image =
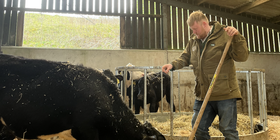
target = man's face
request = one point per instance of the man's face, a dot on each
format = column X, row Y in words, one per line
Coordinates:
column 198, row 29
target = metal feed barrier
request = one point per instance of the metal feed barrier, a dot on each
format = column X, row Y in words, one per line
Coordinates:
column 261, row 93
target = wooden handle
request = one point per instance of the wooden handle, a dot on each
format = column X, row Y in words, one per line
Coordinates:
column 209, row 91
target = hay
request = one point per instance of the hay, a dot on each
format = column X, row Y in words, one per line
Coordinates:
column 182, row 126
column 274, row 129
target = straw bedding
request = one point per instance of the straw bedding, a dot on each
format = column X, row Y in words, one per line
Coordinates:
column 182, row 126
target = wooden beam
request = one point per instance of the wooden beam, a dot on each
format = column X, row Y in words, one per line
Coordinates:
column 198, row 2
column 81, row 12
column 249, row 6
column 221, row 14
column 20, row 25
column 275, row 19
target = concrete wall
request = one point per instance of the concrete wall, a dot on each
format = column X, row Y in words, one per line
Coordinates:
column 110, row 59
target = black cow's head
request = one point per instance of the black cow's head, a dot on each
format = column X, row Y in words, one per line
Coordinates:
column 151, row 133
column 150, row 87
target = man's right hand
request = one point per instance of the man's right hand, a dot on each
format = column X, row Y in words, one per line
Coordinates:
column 165, row 68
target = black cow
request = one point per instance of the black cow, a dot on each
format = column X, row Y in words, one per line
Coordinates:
column 39, row 97
column 153, row 91
column 136, row 74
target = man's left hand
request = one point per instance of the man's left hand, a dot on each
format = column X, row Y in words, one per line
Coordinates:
column 231, row 31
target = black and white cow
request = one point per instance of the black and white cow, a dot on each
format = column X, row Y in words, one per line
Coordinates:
column 153, row 91
column 39, row 97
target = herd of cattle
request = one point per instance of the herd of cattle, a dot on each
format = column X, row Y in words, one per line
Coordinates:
column 39, row 97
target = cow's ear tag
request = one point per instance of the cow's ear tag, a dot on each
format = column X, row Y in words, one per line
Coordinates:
column 134, row 83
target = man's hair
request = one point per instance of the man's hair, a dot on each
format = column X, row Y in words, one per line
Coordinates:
column 196, row 16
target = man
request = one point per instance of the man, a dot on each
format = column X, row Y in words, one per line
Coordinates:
column 204, row 51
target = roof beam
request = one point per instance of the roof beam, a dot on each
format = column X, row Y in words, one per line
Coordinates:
column 220, row 14
column 249, row 6
column 198, row 2
column 275, row 19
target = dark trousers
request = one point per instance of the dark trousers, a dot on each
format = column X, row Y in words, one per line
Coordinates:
column 227, row 112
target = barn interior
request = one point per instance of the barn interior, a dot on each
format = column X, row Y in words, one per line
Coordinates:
column 149, row 37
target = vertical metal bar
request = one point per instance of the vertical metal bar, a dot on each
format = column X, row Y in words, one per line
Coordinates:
column 268, row 38
column 278, row 38
column 253, row 38
column 189, row 29
column 124, row 83
column 265, row 102
column 1, row 22
column 145, row 94
column 131, row 92
column 260, row 94
column 179, row 102
column 171, row 103
column 250, row 102
column 248, row 37
column 273, row 41
column 161, row 95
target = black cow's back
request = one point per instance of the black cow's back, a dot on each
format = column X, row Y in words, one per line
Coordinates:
column 39, row 97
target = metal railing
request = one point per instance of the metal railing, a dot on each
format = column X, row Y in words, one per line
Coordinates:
column 261, row 92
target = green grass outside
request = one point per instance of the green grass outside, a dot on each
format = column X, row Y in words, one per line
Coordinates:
column 48, row 31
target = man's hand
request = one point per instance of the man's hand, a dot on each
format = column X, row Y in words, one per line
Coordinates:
column 231, row 31
column 165, row 68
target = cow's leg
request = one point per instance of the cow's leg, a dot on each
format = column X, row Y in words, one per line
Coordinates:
column 137, row 106
column 85, row 133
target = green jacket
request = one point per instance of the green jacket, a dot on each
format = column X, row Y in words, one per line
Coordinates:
column 205, row 64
